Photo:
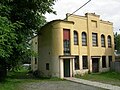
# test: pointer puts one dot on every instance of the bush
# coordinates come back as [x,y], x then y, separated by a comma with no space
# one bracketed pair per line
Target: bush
[38,74]
[3,74]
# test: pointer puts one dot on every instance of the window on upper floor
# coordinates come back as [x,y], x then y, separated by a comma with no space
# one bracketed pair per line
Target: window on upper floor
[75,38]
[85,62]
[102,40]
[66,47]
[76,60]
[109,41]
[66,41]
[84,39]
[94,39]
[94,23]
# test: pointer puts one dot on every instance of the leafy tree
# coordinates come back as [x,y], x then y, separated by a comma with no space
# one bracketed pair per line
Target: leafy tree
[117,42]
[20,20]
[7,39]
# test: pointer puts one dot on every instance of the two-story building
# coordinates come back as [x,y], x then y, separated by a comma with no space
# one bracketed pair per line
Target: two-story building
[77,45]
[34,57]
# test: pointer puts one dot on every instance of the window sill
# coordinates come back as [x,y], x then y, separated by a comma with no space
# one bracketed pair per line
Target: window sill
[103,46]
[85,68]
[104,67]
[84,45]
[77,69]
[95,46]
[76,44]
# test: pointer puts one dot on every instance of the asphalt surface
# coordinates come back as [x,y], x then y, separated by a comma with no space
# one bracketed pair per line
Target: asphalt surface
[57,85]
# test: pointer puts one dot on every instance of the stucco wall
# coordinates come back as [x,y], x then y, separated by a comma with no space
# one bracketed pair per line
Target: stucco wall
[51,42]
[84,24]
[34,47]
[51,47]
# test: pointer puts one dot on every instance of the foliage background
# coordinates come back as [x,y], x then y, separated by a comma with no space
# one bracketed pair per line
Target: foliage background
[20,20]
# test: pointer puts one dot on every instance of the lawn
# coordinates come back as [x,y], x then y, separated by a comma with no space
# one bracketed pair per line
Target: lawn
[14,80]
[105,77]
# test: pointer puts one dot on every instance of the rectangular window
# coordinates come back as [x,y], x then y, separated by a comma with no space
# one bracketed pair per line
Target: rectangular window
[103,61]
[94,23]
[84,39]
[84,43]
[35,60]
[110,60]
[66,47]
[76,63]
[47,66]
[109,42]
[85,62]
[94,39]
[102,40]
[66,41]
[75,38]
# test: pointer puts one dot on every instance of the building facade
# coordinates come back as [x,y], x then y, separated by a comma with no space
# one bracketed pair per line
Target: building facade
[34,57]
[77,45]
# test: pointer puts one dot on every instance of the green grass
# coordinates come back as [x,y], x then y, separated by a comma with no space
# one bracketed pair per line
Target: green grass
[10,85]
[106,77]
[14,80]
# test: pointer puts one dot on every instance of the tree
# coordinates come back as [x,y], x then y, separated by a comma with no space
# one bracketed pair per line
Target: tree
[24,19]
[7,39]
[117,42]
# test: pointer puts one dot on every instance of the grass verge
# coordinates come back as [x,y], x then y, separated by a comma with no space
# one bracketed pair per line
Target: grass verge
[105,77]
[14,80]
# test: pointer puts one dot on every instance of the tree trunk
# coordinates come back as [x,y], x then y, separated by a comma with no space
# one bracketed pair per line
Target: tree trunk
[3,70]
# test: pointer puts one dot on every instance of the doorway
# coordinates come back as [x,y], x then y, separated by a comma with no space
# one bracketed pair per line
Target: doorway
[66,67]
[95,65]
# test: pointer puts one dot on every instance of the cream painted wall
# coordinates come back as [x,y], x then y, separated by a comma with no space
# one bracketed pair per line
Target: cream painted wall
[83,24]
[51,47]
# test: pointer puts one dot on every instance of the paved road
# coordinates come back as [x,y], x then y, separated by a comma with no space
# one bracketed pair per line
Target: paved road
[57,85]
[93,83]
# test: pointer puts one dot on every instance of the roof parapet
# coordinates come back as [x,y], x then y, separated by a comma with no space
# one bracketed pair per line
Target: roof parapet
[106,22]
[92,14]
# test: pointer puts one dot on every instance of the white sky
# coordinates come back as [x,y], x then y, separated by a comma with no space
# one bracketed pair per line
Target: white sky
[109,10]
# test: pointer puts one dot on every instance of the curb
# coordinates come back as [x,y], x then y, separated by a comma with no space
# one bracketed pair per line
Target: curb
[95,84]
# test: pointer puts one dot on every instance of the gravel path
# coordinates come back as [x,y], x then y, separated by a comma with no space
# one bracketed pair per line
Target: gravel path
[57,85]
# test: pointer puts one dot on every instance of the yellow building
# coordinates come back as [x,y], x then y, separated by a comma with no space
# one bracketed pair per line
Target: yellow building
[77,45]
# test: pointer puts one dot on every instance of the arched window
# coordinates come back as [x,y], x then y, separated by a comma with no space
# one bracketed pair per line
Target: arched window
[102,40]
[75,38]
[84,39]
[109,41]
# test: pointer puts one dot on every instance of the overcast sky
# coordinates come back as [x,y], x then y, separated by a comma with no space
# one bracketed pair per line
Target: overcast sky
[109,10]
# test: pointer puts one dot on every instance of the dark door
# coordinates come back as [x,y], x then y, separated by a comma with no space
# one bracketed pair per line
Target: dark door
[95,65]
[66,68]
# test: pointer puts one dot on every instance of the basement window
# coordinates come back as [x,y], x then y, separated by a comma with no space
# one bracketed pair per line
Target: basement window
[35,60]
[103,61]
[85,62]
[47,66]
[76,62]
